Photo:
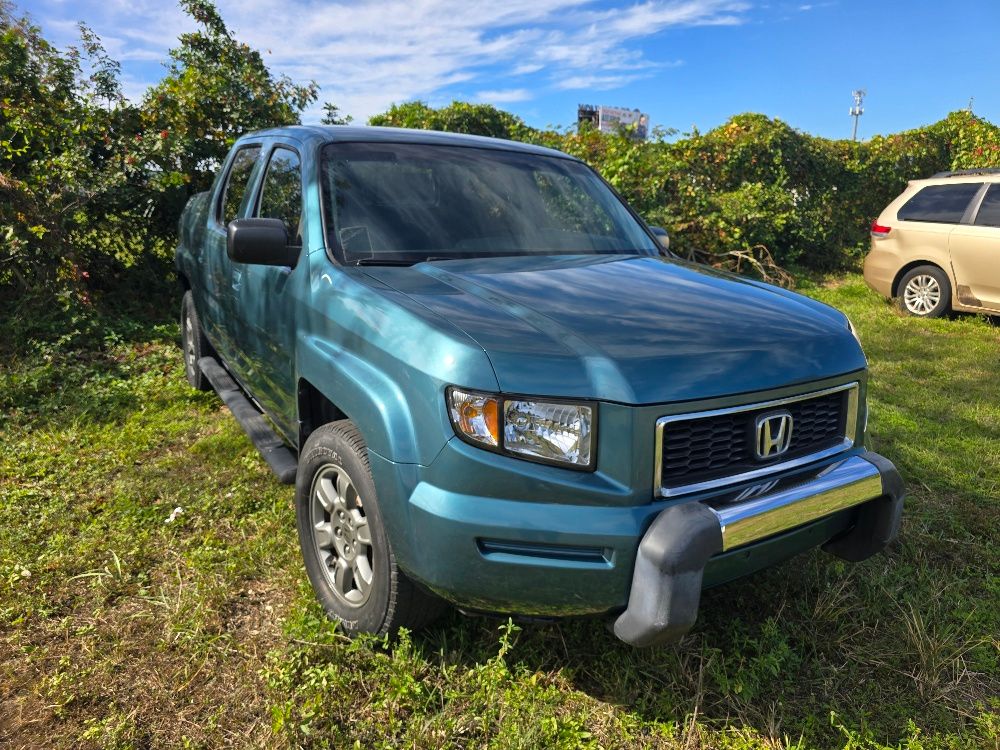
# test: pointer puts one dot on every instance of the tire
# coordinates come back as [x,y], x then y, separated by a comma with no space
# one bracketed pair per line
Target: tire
[347,554]
[194,345]
[925,292]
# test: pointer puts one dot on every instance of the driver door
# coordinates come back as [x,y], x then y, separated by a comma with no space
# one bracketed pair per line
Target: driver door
[267,294]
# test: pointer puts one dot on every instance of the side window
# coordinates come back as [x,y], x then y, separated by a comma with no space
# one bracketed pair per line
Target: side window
[236,183]
[989,211]
[281,195]
[944,204]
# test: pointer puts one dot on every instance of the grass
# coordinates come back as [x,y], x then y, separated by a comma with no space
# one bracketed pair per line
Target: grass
[127,623]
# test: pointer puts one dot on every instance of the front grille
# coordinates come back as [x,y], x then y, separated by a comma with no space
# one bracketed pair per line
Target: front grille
[699,449]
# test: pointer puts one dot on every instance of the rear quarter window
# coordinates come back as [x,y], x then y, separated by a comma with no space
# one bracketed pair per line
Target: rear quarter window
[944,204]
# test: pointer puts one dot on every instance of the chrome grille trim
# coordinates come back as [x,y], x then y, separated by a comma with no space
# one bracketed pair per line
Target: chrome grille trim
[849,440]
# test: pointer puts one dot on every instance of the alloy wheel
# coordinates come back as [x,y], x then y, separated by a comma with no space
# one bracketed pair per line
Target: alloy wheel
[922,294]
[341,535]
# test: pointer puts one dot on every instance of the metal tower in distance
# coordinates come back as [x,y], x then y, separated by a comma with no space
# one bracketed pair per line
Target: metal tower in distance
[857,110]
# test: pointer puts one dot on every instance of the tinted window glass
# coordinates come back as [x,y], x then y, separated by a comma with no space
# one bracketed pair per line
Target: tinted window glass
[989,211]
[393,202]
[941,203]
[236,182]
[281,196]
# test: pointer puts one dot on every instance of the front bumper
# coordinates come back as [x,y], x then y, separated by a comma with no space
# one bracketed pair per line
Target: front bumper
[668,575]
[455,528]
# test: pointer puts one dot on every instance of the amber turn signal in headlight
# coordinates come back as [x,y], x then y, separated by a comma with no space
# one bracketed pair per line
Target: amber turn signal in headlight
[475,415]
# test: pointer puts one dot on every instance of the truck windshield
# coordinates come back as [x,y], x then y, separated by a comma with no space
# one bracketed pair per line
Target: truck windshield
[399,203]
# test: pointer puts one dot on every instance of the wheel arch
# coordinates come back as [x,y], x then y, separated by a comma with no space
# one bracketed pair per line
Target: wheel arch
[334,382]
[314,410]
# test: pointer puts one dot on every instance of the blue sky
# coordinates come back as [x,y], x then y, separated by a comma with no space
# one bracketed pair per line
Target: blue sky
[685,62]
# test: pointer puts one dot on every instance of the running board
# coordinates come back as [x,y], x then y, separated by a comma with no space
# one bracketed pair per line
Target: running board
[272,448]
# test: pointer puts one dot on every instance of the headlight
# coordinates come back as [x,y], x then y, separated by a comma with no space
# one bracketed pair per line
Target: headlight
[554,432]
[544,431]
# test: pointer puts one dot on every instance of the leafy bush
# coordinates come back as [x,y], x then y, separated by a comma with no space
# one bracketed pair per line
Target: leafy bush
[752,189]
[457,117]
[92,185]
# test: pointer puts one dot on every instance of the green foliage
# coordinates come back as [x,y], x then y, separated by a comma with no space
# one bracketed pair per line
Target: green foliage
[753,190]
[333,116]
[457,117]
[91,186]
[217,89]
[63,139]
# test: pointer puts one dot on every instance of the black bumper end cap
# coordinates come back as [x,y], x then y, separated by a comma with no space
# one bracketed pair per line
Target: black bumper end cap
[878,521]
[667,580]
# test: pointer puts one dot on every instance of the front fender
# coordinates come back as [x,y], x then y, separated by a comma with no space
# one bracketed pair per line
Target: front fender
[385,362]
[369,398]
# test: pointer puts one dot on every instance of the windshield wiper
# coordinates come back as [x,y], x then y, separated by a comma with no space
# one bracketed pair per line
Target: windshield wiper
[384,262]
[401,262]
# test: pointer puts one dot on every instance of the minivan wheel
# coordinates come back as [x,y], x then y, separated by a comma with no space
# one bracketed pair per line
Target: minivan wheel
[925,292]
[194,344]
[347,554]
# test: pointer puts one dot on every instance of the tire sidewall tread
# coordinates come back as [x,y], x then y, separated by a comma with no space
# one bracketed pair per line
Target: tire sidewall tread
[202,348]
[395,601]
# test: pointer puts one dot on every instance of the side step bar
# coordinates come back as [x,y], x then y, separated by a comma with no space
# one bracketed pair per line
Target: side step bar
[272,448]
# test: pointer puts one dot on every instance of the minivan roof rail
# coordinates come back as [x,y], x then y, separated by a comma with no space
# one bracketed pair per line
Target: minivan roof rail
[966,172]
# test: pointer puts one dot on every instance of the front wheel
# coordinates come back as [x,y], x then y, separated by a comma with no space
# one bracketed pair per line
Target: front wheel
[347,555]
[925,292]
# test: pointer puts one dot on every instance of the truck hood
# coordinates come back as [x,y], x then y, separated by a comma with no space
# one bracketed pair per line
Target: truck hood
[636,330]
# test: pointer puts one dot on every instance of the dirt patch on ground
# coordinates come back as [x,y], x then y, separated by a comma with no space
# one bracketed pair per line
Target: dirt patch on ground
[88,679]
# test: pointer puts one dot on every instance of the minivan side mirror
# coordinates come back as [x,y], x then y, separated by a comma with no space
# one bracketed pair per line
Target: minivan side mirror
[261,242]
[662,237]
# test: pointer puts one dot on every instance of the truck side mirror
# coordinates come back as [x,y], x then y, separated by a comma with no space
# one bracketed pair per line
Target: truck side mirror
[663,238]
[261,242]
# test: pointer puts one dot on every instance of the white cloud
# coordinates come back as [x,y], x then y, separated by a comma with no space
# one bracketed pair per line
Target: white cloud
[368,54]
[502,96]
[595,82]
[526,68]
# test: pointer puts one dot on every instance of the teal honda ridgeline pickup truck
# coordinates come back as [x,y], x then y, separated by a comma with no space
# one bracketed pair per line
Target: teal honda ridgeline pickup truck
[492,385]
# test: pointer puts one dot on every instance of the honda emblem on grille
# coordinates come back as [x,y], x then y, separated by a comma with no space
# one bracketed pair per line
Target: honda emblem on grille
[774,433]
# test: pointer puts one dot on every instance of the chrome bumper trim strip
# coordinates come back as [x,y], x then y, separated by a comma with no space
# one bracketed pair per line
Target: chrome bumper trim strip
[839,486]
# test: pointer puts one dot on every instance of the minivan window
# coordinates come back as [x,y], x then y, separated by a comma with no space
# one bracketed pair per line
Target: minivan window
[281,194]
[236,183]
[944,204]
[989,211]
[405,203]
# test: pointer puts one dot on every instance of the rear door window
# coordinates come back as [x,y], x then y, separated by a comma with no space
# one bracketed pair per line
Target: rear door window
[237,182]
[944,204]
[281,193]
[989,211]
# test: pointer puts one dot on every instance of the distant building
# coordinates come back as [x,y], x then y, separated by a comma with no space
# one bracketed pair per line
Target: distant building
[612,119]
